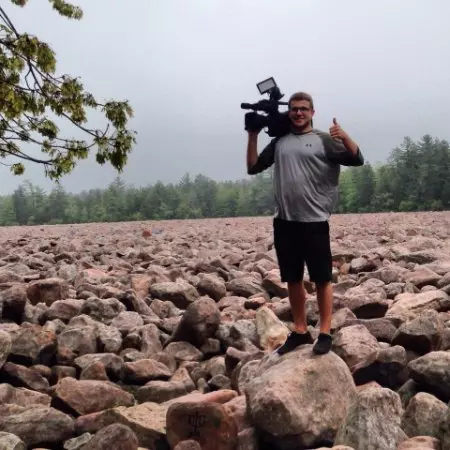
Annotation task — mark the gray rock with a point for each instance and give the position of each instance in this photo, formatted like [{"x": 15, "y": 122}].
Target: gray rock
[{"x": 373, "y": 421}]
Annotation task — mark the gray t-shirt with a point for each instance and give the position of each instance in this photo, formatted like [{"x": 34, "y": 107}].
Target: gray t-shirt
[{"x": 306, "y": 174}]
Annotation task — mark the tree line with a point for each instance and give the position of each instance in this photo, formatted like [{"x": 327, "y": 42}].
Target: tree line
[{"x": 415, "y": 177}]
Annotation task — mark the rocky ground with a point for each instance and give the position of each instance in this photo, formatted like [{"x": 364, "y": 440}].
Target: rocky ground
[{"x": 159, "y": 335}]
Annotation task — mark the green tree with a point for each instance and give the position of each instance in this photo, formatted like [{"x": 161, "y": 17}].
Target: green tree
[
  {"x": 20, "y": 205},
  {"x": 33, "y": 96}
]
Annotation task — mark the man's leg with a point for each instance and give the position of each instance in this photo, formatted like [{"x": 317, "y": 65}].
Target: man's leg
[
  {"x": 291, "y": 263},
  {"x": 297, "y": 300},
  {"x": 325, "y": 302},
  {"x": 300, "y": 334},
  {"x": 319, "y": 262}
]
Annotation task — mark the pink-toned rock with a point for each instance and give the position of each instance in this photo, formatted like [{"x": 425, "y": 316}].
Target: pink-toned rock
[
  {"x": 207, "y": 423},
  {"x": 273, "y": 285},
  {"x": 88, "y": 396},
  {"x": 199, "y": 322},
  {"x": 354, "y": 344},
  {"x": 141, "y": 285},
  {"x": 421, "y": 443},
  {"x": 22, "y": 396},
  {"x": 292, "y": 388},
  {"x": 180, "y": 292},
  {"x": 145, "y": 370},
  {"x": 409, "y": 305},
  {"x": 33, "y": 345},
  {"x": 35, "y": 424},
  {"x": 222, "y": 396},
  {"x": 421, "y": 277},
  {"x": 212, "y": 285},
  {"x": 115, "y": 436},
  {"x": 47, "y": 291}
]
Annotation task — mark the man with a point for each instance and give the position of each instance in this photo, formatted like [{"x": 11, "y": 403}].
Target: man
[{"x": 306, "y": 183}]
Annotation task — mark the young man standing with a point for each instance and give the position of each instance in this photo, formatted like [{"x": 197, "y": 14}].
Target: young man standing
[{"x": 306, "y": 184}]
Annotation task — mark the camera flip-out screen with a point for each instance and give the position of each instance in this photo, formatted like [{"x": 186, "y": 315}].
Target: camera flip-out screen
[{"x": 266, "y": 85}]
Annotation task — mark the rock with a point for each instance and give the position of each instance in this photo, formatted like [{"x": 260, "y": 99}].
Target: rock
[
  {"x": 150, "y": 340},
  {"x": 10, "y": 441},
  {"x": 95, "y": 371},
  {"x": 180, "y": 293},
  {"x": 271, "y": 331},
  {"x": 102, "y": 309},
  {"x": 199, "y": 322},
  {"x": 163, "y": 391},
  {"x": 354, "y": 344},
  {"x": 80, "y": 340},
  {"x": 244, "y": 286},
  {"x": 433, "y": 371},
  {"x": 382, "y": 329},
  {"x": 424, "y": 416},
  {"x": 420, "y": 443},
  {"x": 36, "y": 425},
  {"x": 273, "y": 285},
  {"x": 47, "y": 291},
  {"x": 115, "y": 436},
  {"x": 422, "y": 277},
  {"x": 145, "y": 370},
  {"x": 367, "y": 300},
  {"x": 188, "y": 445},
  {"x": 12, "y": 302},
  {"x": 412, "y": 304},
  {"x": 19, "y": 375},
  {"x": 183, "y": 351},
  {"x": 373, "y": 421},
  {"x": 445, "y": 430},
  {"x": 77, "y": 443},
  {"x": 127, "y": 321},
  {"x": 308, "y": 397},
  {"x": 341, "y": 317},
  {"x": 112, "y": 363},
  {"x": 141, "y": 285},
  {"x": 248, "y": 439},
  {"x": 147, "y": 421},
  {"x": 212, "y": 285},
  {"x": 64, "y": 310},
  {"x": 22, "y": 396},
  {"x": 361, "y": 265},
  {"x": 5, "y": 347},
  {"x": 387, "y": 367},
  {"x": 33, "y": 345},
  {"x": 207, "y": 423},
  {"x": 422, "y": 334},
  {"x": 88, "y": 396}
]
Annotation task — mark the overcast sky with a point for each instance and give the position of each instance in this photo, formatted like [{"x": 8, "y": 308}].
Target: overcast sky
[{"x": 381, "y": 67}]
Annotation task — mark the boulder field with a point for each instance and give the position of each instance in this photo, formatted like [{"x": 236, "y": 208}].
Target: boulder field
[{"x": 161, "y": 336}]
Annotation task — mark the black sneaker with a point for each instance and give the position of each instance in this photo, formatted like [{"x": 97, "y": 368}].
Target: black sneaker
[
  {"x": 323, "y": 344},
  {"x": 293, "y": 341}
]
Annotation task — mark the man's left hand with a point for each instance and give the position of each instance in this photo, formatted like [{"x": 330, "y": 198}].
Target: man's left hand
[{"x": 336, "y": 132}]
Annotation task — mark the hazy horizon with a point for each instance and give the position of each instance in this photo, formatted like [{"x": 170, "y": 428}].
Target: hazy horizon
[{"x": 185, "y": 66}]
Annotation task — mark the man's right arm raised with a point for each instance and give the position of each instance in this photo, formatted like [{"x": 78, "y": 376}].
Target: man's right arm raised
[{"x": 258, "y": 163}]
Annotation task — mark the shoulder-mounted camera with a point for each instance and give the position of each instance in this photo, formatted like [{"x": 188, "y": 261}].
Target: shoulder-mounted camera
[{"x": 276, "y": 122}]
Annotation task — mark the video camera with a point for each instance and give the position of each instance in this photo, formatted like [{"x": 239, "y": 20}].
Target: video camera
[{"x": 278, "y": 123}]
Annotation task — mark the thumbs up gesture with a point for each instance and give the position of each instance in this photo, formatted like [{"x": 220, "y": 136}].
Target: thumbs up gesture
[{"x": 336, "y": 132}]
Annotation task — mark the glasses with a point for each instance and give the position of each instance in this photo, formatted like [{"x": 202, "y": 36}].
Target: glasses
[{"x": 302, "y": 109}]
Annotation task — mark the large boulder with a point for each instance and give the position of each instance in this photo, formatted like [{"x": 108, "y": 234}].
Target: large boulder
[
  {"x": 373, "y": 421},
  {"x": 300, "y": 399}
]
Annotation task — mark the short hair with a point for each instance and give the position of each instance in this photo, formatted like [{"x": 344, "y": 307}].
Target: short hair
[{"x": 302, "y": 96}]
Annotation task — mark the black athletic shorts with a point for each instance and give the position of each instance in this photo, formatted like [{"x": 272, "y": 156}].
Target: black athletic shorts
[{"x": 297, "y": 243}]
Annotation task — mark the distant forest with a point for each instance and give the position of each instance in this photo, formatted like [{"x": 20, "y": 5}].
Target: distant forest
[{"x": 416, "y": 177}]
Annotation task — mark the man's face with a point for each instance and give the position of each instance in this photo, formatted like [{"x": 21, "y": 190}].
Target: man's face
[{"x": 301, "y": 113}]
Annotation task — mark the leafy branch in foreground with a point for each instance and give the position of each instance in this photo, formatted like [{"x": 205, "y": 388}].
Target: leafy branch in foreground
[{"x": 30, "y": 92}]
